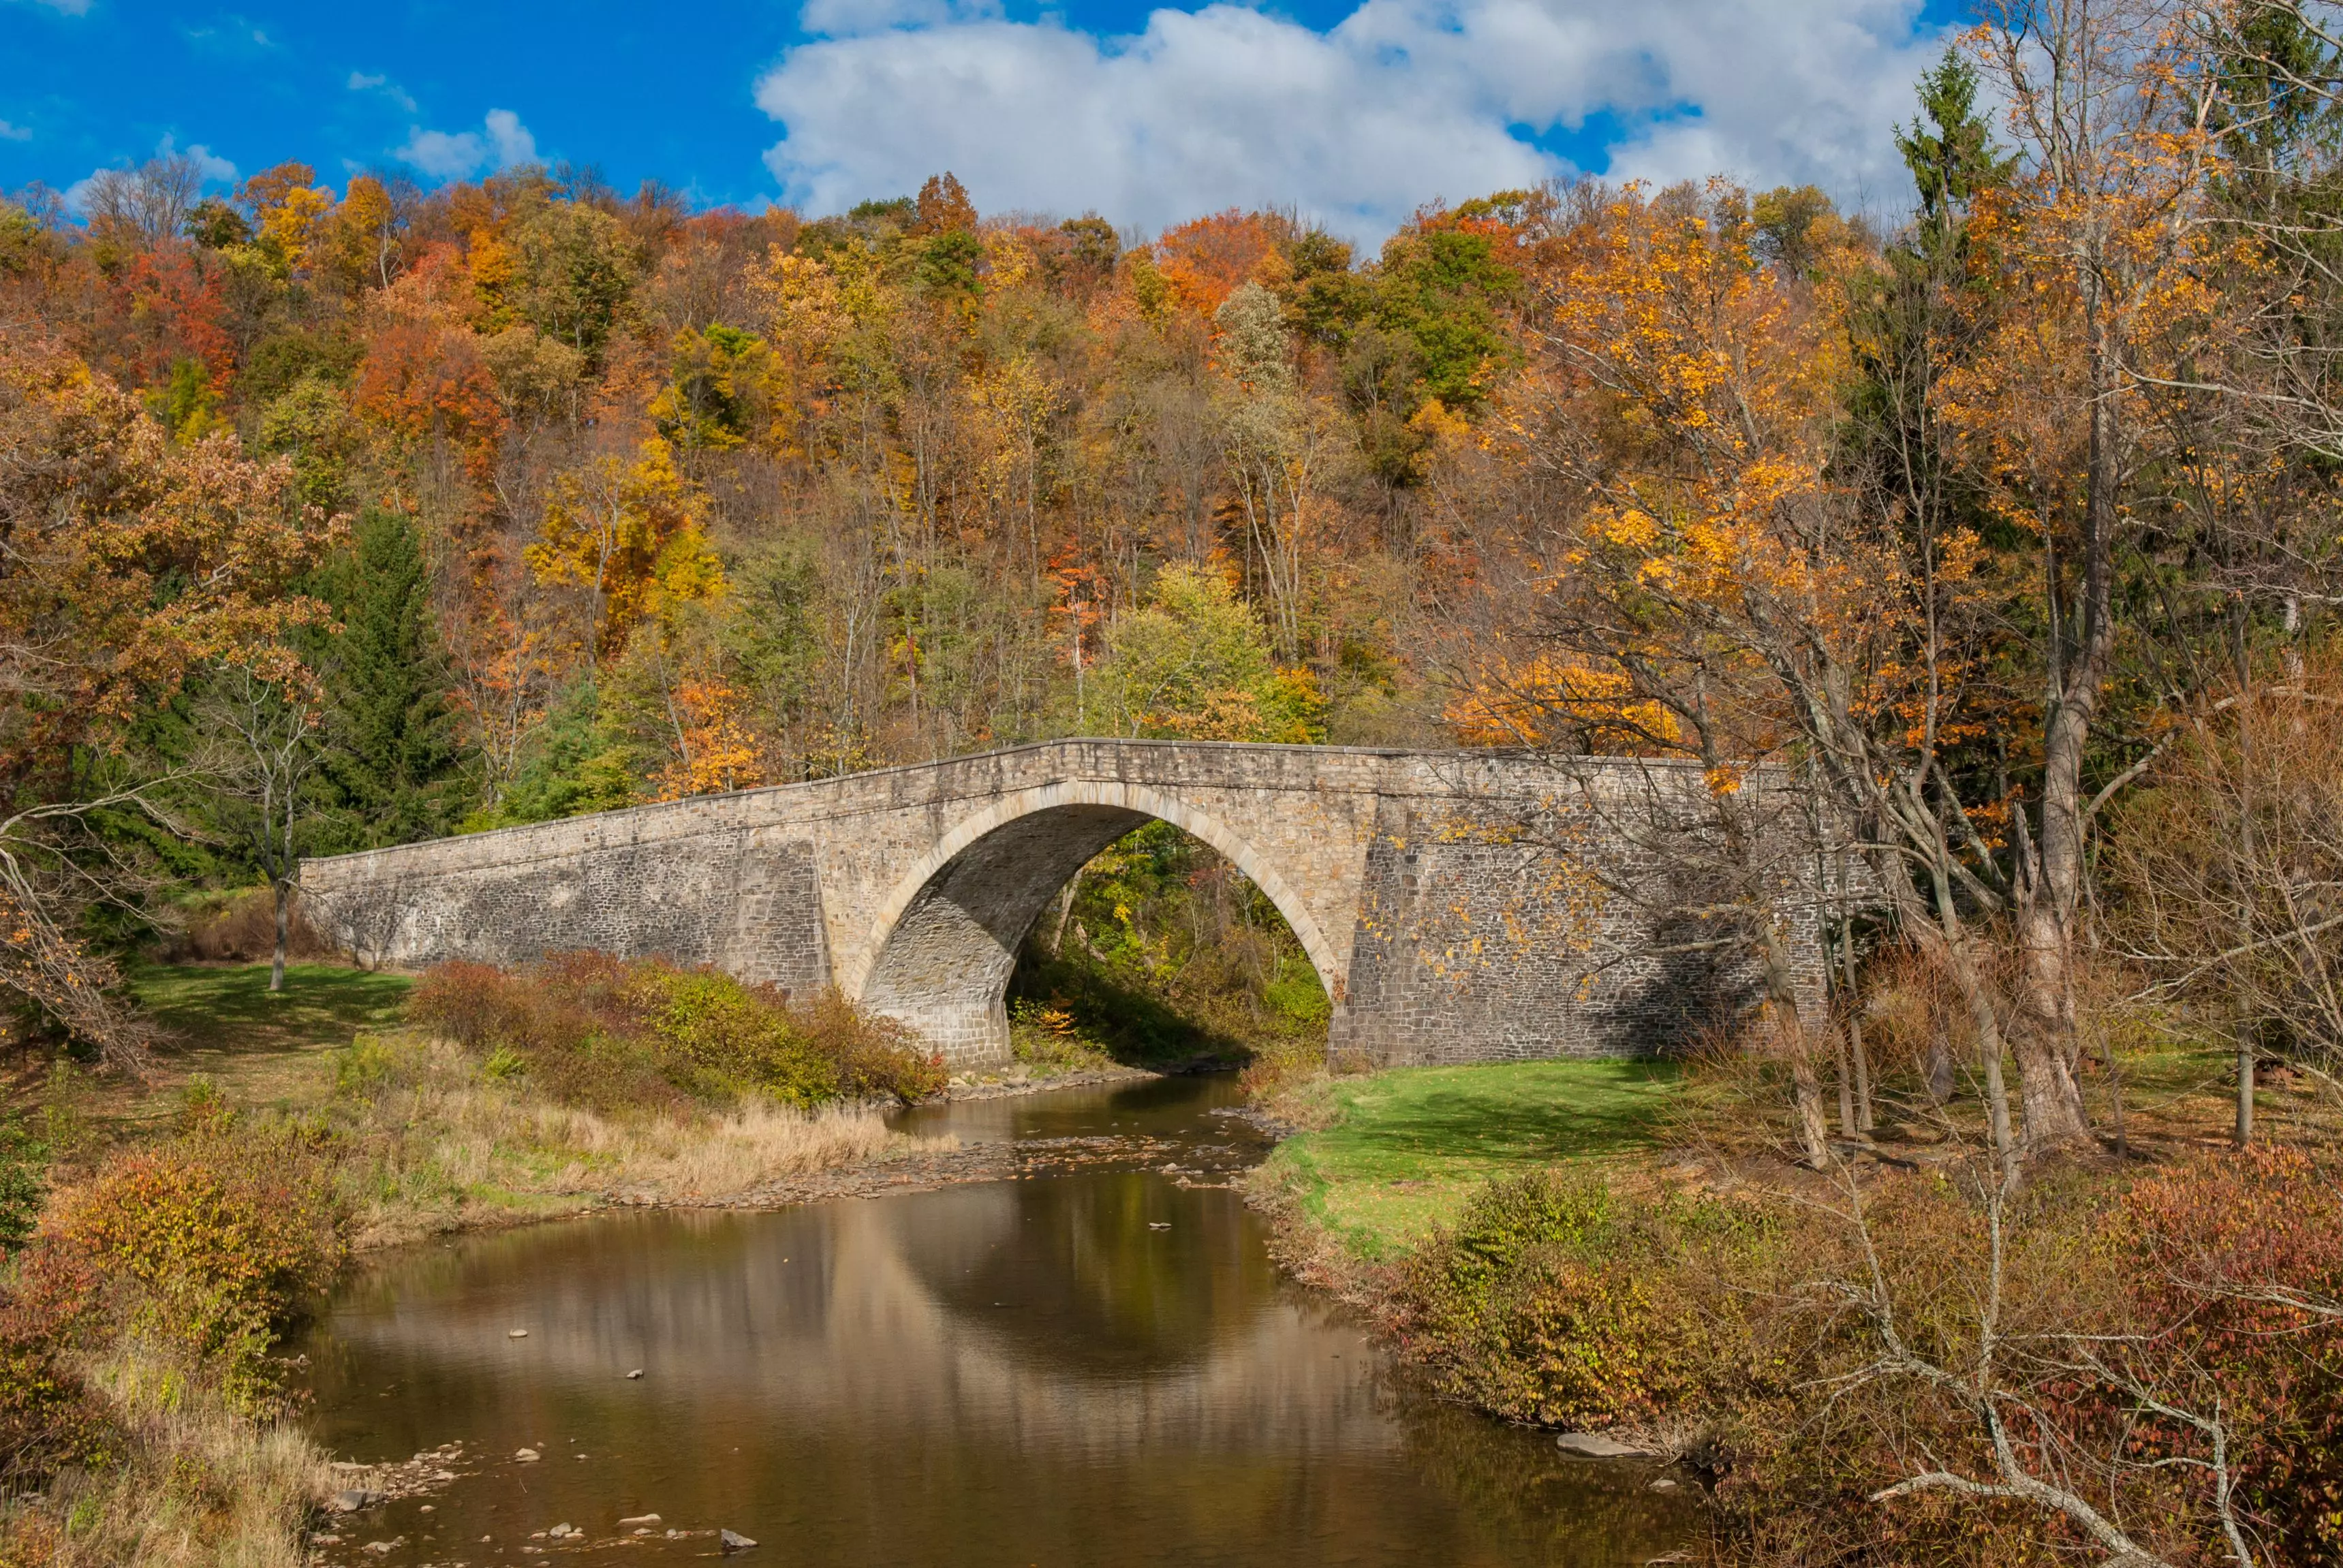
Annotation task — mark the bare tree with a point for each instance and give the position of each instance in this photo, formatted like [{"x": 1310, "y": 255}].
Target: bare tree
[
  {"x": 260, "y": 741},
  {"x": 146, "y": 205},
  {"x": 51, "y": 866},
  {"x": 2230, "y": 875}
]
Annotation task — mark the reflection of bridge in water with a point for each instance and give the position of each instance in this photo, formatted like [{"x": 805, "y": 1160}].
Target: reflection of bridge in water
[
  {"x": 1450, "y": 901},
  {"x": 1032, "y": 1314},
  {"x": 1004, "y": 1373}
]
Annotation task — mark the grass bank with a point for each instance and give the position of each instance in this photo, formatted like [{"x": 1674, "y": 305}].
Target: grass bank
[{"x": 1388, "y": 1158}]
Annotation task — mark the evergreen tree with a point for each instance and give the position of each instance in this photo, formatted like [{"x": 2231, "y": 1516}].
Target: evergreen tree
[
  {"x": 1951, "y": 154},
  {"x": 394, "y": 770}
]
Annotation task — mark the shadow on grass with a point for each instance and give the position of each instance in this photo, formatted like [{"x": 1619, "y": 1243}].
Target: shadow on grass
[
  {"x": 1407, "y": 1148},
  {"x": 1522, "y": 1113},
  {"x": 229, "y": 1008}
]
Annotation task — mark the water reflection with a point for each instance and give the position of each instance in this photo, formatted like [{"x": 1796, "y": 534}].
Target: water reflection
[{"x": 1101, "y": 1368}]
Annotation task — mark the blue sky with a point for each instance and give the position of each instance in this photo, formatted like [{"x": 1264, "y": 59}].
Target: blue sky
[{"x": 1353, "y": 111}]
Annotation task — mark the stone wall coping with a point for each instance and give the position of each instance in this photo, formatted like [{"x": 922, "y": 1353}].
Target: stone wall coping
[{"x": 674, "y": 819}]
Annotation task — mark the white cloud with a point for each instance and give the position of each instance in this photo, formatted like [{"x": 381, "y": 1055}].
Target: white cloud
[
  {"x": 66, "y": 8},
  {"x": 13, "y": 132},
  {"x": 213, "y": 167},
  {"x": 360, "y": 82},
  {"x": 439, "y": 152},
  {"x": 1403, "y": 101},
  {"x": 451, "y": 155},
  {"x": 234, "y": 34},
  {"x": 513, "y": 144}
]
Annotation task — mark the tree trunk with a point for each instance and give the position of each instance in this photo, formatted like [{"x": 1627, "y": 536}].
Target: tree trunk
[
  {"x": 2245, "y": 1128},
  {"x": 2046, "y": 1076},
  {"x": 1847, "y": 1126},
  {"x": 1793, "y": 1039},
  {"x": 284, "y": 927},
  {"x": 2050, "y": 888},
  {"x": 1961, "y": 965},
  {"x": 1939, "y": 1067},
  {"x": 1863, "y": 1119}
]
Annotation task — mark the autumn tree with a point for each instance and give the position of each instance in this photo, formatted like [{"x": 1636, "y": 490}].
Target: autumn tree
[
  {"x": 129, "y": 561},
  {"x": 2112, "y": 103},
  {"x": 1196, "y": 664}
]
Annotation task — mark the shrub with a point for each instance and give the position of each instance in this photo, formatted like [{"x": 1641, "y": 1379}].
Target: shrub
[
  {"x": 241, "y": 927},
  {"x": 617, "y": 1036},
  {"x": 49, "y": 1417},
  {"x": 2230, "y": 1257},
  {"x": 1044, "y": 1035},
  {"x": 1546, "y": 1302},
  {"x": 877, "y": 1058},
  {"x": 219, "y": 1236}
]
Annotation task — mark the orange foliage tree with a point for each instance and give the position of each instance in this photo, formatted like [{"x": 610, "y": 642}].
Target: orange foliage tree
[{"x": 128, "y": 560}]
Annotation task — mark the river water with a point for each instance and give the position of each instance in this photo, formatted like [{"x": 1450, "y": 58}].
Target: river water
[{"x": 1096, "y": 1367}]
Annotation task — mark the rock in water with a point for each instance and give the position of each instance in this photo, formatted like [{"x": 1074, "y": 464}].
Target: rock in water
[
  {"x": 637, "y": 1372},
  {"x": 1593, "y": 1445},
  {"x": 733, "y": 1540},
  {"x": 639, "y": 1519},
  {"x": 525, "y": 1455},
  {"x": 352, "y": 1498},
  {"x": 518, "y": 1334}
]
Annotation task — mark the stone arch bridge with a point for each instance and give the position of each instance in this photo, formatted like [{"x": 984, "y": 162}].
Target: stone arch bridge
[{"x": 1454, "y": 903}]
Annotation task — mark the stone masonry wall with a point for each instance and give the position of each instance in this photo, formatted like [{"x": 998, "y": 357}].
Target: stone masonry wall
[{"x": 1448, "y": 915}]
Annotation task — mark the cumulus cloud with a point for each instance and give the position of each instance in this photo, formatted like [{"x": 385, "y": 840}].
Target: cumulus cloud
[
  {"x": 510, "y": 138},
  {"x": 361, "y": 82},
  {"x": 64, "y": 8},
  {"x": 210, "y": 165},
  {"x": 215, "y": 167},
  {"x": 504, "y": 142},
  {"x": 14, "y": 133},
  {"x": 1401, "y": 101}
]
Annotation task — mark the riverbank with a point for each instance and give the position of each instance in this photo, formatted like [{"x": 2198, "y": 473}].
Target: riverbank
[
  {"x": 136, "y": 1422},
  {"x": 1578, "y": 1247}
]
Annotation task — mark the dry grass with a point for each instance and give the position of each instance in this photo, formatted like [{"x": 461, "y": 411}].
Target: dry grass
[
  {"x": 447, "y": 1145},
  {"x": 203, "y": 1485}
]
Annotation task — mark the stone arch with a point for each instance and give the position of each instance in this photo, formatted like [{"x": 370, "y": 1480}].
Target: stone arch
[{"x": 946, "y": 937}]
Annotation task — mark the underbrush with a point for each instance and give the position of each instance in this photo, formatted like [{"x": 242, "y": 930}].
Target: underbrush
[
  {"x": 1858, "y": 1362},
  {"x": 141, "y": 1406},
  {"x": 237, "y": 926},
  {"x": 442, "y": 1138},
  {"x": 617, "y": 1036},
  {"x": 1047, "y": 1039}
]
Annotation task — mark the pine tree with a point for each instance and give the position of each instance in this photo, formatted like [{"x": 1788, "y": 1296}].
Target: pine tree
[{"x": 395, "y": 766}]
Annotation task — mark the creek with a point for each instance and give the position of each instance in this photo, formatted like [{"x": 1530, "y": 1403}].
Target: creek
[{"x": 1098, "y": 1366}]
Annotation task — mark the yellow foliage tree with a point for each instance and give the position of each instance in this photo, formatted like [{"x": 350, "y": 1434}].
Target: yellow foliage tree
[{"x": 627, "y": 532}]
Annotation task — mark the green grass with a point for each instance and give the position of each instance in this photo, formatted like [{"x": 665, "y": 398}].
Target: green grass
[
  {"x": 1407, "y": 1147},
  {"x": 229, "y": 1009}
]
